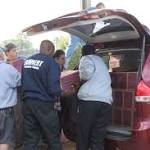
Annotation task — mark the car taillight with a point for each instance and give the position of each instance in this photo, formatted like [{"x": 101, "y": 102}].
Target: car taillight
[{"x": 142, "y": 92}]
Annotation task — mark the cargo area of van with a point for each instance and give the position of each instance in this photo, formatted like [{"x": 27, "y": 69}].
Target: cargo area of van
[{"x": 123, "y": 64}]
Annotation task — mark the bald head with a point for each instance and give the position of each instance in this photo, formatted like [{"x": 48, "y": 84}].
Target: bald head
[
  {"x": 47, "y": 48},
  {"x": 1, "y": 54}
]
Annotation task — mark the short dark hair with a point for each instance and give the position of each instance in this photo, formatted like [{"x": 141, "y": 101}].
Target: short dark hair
[
  {"x": 88, "y": 50},
  {"x": 44, "y": 43},
  {"x": 58, "y": 53},
  {"x": 9, "y": 46},
  {"x": 100, "y": 5}
]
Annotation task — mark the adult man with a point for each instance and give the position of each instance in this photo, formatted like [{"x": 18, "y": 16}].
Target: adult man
[
  {"x": 10, "y": 78},
  {"x": 95, "y": 98},
  {"x": 11, "y": 53},
  {"x": 41, "y": 87},
  {"x": 74, "y": 41}
]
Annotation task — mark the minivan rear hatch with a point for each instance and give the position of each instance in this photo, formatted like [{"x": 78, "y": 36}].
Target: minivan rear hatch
[{"x": 94, "y": 26}]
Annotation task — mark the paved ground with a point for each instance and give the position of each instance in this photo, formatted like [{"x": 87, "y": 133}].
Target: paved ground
[
  {"x": 66, "y": 146},
  {"x": 69, "y": 146}
]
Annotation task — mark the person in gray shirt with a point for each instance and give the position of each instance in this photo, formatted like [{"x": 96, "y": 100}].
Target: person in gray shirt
[
  {"x": 95, "y": 101},
  {"x": 10, "y": 79}
]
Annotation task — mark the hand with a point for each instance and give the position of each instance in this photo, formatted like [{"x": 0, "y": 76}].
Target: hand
[{"x": 57, "y": 104}]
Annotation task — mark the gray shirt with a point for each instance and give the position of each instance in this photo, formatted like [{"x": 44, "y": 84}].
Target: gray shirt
[
  {"x": 10, "y": 79},
  {"x": 97, "y": 87}
]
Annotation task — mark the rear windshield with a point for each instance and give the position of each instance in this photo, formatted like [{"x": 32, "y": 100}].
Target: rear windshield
[
  {"x": 121, "y": 60},
  {"x": 102, "y": 27}
]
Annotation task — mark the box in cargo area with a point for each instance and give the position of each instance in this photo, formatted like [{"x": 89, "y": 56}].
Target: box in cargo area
[{"x": 70, "y": 82}]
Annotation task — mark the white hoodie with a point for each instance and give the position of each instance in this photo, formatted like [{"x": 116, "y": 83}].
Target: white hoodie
[{"x": 97, "y": 87}]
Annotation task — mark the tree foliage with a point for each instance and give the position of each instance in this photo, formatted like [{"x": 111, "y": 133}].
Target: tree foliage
[
  {"x": 61, "y": 42},
  {"x": 24, "y": 46},
  {"x": 75, "y": 58}
]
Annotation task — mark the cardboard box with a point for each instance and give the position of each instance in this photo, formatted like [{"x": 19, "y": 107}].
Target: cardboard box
[{"x": 70, "y": 82}]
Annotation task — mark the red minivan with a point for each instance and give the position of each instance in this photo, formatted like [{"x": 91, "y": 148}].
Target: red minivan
[{"x": 124, "y": 44}]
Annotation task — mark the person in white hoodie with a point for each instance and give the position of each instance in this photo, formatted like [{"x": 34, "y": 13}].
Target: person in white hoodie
[{"x": 95, "y": 99}]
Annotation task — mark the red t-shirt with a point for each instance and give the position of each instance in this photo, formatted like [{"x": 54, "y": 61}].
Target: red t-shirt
[{"x": 18, "y": 64}]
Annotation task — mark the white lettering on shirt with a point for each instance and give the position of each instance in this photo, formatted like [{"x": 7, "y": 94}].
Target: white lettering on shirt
[{"x": 34, "y": 64}]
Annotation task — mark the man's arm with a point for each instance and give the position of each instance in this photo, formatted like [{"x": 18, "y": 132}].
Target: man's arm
[
  {"x": 86, "y": 68},
  {"x": 54, "y": 79}
]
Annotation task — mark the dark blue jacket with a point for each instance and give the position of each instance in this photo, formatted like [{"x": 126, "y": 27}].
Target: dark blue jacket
[{"x": 41, "y": 78}]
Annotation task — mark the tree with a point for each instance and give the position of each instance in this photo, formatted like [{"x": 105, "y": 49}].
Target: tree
[
  {"x": 24, "y": 46},
  {"x": 61, "y": 42},
  {"x": 75, "y": 58}
]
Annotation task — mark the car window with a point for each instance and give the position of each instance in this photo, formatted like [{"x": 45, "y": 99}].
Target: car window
[
  {"x": 98, "y": 27},
  {"x": 111, "y": 25},
  {"x": 103, "y": 30},
  {"x": 122, "y": 61}
]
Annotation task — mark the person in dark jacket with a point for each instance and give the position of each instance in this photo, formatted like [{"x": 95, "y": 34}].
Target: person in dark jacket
[{"x": 41, "y": 88}]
